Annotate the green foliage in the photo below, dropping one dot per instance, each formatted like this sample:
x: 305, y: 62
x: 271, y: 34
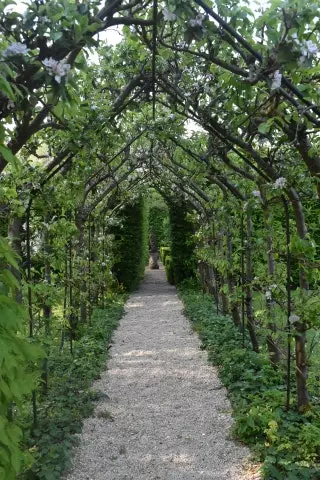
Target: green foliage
x: 89, y: 130
x: 182, y: 243
x: 16, y: 358
x: 287, y: 442
x: 158, y: 219
x: 70, y: 397
x: 131, y: 239
x: 164, y: 251
x: 169, y: 270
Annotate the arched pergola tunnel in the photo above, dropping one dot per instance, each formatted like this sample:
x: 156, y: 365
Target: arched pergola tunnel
x: 215, y: 115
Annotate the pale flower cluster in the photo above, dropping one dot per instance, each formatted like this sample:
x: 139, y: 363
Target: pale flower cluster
x: 276, y: 80
x: 281, y: 182
x: 256, y: 193
x: 294, y: 319
x: 306, y: 48
x: 56, y: 69
x: 10, y: 105
x: 15, y: 49
x: 197, y: 22
x: 168, y: 16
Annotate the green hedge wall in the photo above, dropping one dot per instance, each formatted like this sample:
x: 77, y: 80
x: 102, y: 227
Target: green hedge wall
x: 131, y: 239
x: 182, y: 243
x: 158, y: 224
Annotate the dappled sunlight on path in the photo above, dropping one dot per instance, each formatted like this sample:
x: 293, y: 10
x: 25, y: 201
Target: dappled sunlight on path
x: 166, y: 415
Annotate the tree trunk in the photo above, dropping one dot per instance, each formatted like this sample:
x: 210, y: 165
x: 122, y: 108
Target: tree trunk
x: 249, y: 308
x: 222, y: 255
x: 47, y: 310
x: 231, y: 283
x: 15, y: 238
x: 301, y: 327
x: 273, y: 347
x: 82, y: 304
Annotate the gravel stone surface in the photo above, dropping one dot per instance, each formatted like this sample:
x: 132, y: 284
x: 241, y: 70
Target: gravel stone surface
x: 165, y: 414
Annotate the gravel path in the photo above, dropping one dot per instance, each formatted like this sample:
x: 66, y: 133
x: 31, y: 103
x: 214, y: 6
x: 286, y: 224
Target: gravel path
x: 166, y: 415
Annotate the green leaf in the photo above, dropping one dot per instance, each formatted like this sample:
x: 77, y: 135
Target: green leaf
x: 265, y: 127
x: 10, y: 158
x: 5, y: 87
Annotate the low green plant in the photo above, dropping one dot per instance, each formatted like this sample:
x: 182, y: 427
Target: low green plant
x: 70, y: 397
x: 287, y: 442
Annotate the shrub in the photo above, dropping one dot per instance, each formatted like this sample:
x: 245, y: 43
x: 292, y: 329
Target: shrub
x: 169, y: 270
x: 131, y: 239
x: 164, y: 251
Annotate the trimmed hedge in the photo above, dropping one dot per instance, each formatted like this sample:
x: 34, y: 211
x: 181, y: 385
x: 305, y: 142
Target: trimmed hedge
x: 158, y: 222
x: 169, y: 270
x: 131, y: 245
x: 182, y: 243
x: 164, y: 251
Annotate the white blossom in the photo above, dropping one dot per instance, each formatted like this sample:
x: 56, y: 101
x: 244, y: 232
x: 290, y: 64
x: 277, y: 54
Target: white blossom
x: 56, y: 69
x: 168, y: 16
x: 200, y: 19
x: 281, y: 182
x: 171, y: 116
x: 294, y: 318
x: 273, y: 286
x: 103, y: 264
x: 308, y: 48
x: 44, y: 19
x: 276, y: 80
x: 262, y: 141
x: 193, y: 22
x: 256, y: 193
x: 15, y: 49
x: 268, y: 295
x: 197, y: 22
x: 93, y: 107
x: 10, y: 105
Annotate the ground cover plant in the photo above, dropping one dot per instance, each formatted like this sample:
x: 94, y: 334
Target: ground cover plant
x: 71, y: 395
x: 212, y: 105
x: 287, y: 442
